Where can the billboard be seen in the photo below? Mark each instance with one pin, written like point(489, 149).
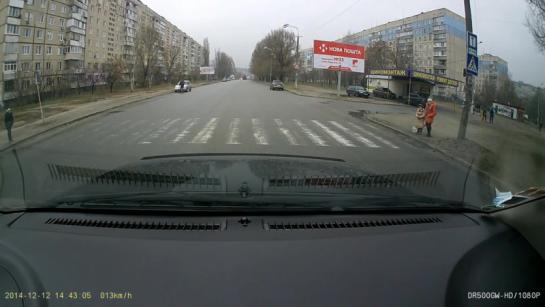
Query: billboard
point(338, 56)
point(207, 70)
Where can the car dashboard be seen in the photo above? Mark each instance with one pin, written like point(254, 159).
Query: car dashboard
point(405, 259)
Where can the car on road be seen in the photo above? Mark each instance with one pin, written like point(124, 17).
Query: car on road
point(356, 90)
point(384, 92)
point(183, 86)
point(277, 85)
point(414, 99)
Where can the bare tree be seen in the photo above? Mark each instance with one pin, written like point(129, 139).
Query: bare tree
point(536, 22)
point(224, 64)
point(280, 44)
point(114, 69)
point(379, 56)
point(174, 53)
point(148, 47)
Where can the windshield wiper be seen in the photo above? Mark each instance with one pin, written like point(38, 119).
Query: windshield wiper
point(223, 201)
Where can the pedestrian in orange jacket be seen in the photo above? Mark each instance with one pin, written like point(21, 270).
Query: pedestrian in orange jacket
point(431, 112)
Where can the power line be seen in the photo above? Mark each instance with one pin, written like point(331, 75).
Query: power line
point(336, 16)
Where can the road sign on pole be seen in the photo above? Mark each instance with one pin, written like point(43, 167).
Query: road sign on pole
point(472, 64)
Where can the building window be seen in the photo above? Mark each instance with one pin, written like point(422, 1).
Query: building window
point(49, 50)
point(42, 18)
point(48, 66)
point(61, 37)
point(29, 2)
point(11, 48)
point(27, 32)
point(60, 65)
point(53, 6)
point(12, 29)
point(61, 22)
point(43, 3)
point(14, 12)
point(9, 86)
point(49, 35)
point(10, 66)
point(38, 66)
point(39, 34)
point(38, 50)
point(27, 49)
point(25, 66)
point(25, 84)
point(51, 20)
point(59, 51)
point(63, 9)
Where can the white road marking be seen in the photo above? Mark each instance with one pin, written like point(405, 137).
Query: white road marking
point(371, 126)
point(386, 142)
point(206, 133)
point(234, 131)
point(355, 135)
point(316, 139)
point(159, 131)
point(286, 132)
point(339, 138)
point(259, 132)
point(187, 125)
point(135, 134)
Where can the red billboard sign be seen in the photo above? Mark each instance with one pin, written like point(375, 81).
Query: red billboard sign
point(338, 56)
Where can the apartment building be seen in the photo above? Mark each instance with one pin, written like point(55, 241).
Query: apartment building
point(432, 42)
point(66, 42)
point(491, 68)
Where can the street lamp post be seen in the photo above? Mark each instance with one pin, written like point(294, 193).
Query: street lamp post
point(296, 52)
point(270, 67)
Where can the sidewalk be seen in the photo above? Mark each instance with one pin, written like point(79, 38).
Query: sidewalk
point(329, 93)
point(28, 123)
point(510, 151)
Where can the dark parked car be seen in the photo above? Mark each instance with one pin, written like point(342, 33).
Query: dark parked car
point(415, 99)
point(384, 92)
point(277, 85)
point(356, 90)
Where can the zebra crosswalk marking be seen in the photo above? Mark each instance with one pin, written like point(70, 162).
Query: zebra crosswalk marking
point(234, 130)
point(259, 132)
point(384, 141)
point(355, 135)
point(187, 125)
point(316, 139)
point(206, 133)
point(286, 132)
point(337, 137)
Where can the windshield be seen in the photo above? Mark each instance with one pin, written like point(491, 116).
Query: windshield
point(276, 115)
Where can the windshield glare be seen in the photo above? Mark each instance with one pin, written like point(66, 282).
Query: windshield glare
point(356, 105)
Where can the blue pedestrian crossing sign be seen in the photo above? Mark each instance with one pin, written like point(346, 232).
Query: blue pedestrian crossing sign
point(472, 65)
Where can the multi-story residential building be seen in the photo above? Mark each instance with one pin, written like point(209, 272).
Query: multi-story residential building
point(66, 42)
point(431, 42)
point(491, 68)
point(41, 39)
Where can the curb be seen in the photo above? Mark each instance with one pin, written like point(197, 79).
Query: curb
point(443, 152)
point(78, 118)
point(341, 99)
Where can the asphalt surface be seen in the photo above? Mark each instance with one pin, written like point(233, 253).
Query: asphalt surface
point(232, 117)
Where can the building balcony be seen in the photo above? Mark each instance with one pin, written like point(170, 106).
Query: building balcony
point(73, 57)
point(78, 16)
point(77, 43)
point(76, 30)
point(13, 21)
point(10, 75)
point(128, 43)
point(17, 3)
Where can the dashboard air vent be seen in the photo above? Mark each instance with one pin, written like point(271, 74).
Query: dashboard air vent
point(213, 226)
point(331, 224)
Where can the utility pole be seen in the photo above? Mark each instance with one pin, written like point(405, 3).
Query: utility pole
point(339, 81)
point(296, 51)
point(462, 129)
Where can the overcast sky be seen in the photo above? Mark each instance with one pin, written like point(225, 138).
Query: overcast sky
point(236, 26)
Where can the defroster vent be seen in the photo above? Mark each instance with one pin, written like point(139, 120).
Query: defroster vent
point(147, 225)
point(332, 224)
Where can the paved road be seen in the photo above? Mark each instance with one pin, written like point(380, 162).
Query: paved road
point(235, 117)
